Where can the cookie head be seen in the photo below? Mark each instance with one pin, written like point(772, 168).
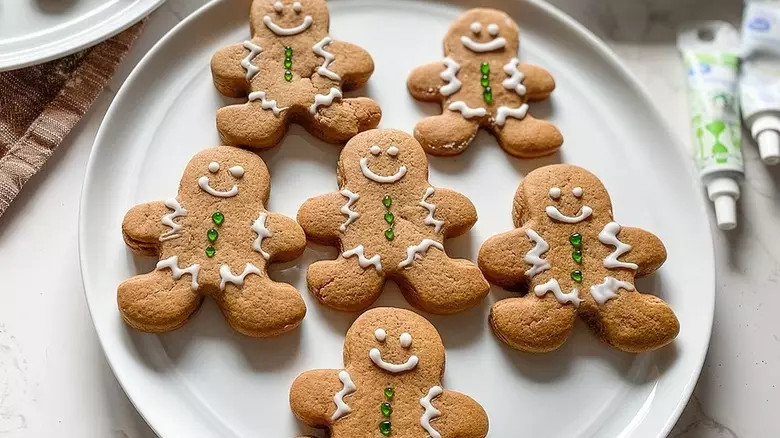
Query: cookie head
point(226, 173)
point(286, 18)
point(394, 341)
point(564, 194)
point(482, 31)
point(383, 157)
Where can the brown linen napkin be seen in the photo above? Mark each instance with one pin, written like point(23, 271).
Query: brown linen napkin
point(39, 105)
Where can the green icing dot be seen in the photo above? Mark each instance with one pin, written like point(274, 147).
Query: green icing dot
point(485, 81)
point(287, 63)
point(387, 201)
point(488, 95)
point(212, 235)
point(389, 218)
point(288, 76)
point(576, 276)
point(218, 218)
point(288, 52)
point(389, 392)
point(576, 240)
point(386, 409)
point(576, 255)
point(389, 234)
point(210, 251)
point(484, 68)
point(384, 427)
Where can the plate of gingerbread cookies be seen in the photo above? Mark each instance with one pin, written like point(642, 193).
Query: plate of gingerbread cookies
point(398, 218)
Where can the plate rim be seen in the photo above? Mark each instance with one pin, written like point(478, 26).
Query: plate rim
point(707, 253)
point(93, 35)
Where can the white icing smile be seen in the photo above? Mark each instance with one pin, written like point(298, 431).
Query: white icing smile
point(474, 46)
point(203, 182)
point(287, 31)
point(409, 365)
point(379, 178)
point(555, 214)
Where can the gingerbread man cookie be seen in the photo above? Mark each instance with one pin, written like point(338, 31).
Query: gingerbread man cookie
point(574, 259)
point(390, 223)
point(292, 71)
point(390, 384)
point(216, 238)
point(481, 83)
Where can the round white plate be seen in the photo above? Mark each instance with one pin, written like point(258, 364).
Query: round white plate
point(204, 380)
point(35, 31)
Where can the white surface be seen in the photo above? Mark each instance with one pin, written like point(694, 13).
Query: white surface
point(55, 380)
point(227, 385)
point(34, 31)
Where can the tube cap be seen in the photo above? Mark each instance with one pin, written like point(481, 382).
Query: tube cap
point(766, 131)
point(726, 211)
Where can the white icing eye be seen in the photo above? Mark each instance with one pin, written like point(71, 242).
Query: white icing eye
point(376, 150)
point(236, 171)
point(476, 27)
point(213, 167)
point(493, 29)
point(555, 192)
point(380, 335)
point(577, 192)
point(392, 151)
point(406, 340)
point(278, 7)
point(297, 7)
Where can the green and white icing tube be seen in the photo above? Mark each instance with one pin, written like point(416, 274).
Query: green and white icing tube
point(710, 53)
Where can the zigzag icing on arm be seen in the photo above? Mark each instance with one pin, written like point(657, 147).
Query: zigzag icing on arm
point(430, 412)
point(172, 263)
point(319, 50)
point(347, 211)
point(534, 256)
point(450, 75)
point(347, 388)
point(167, 220)
point(262, 232)
point(514, 82)
point(325, 99)
point(608, 236)
point(429, 219)
point(362, 260)
point(265, 103)
point(251, 69)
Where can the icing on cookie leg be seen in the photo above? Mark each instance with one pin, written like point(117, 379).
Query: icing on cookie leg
point(250, 125)
point(156, 302)
point(527, 137)
point(447, 134)
point(344, 284)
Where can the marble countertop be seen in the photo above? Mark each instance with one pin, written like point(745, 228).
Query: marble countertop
point(54, 379)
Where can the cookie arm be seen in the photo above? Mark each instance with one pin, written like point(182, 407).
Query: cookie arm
point(538, 82)
point(647, 250)
point(287, 240)
point(312, 396)
point(461, 416)
point(353, 63)
point(142, 227)
point(228, 74)
point(424, 82)
point(321, 217)
point(455, 210)
point(501, 258)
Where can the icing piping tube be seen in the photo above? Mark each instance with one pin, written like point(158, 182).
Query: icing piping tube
point(710, 52)
point(759, 86)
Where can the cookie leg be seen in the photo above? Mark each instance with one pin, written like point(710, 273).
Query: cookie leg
point(342, 284)
point(532, 324)
point(261, 307)
point(528, 137)
point(155, 302)
point(633, 322)
point(447, 134)
point(344, 119)
point(438, 284)
point(250, 125)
